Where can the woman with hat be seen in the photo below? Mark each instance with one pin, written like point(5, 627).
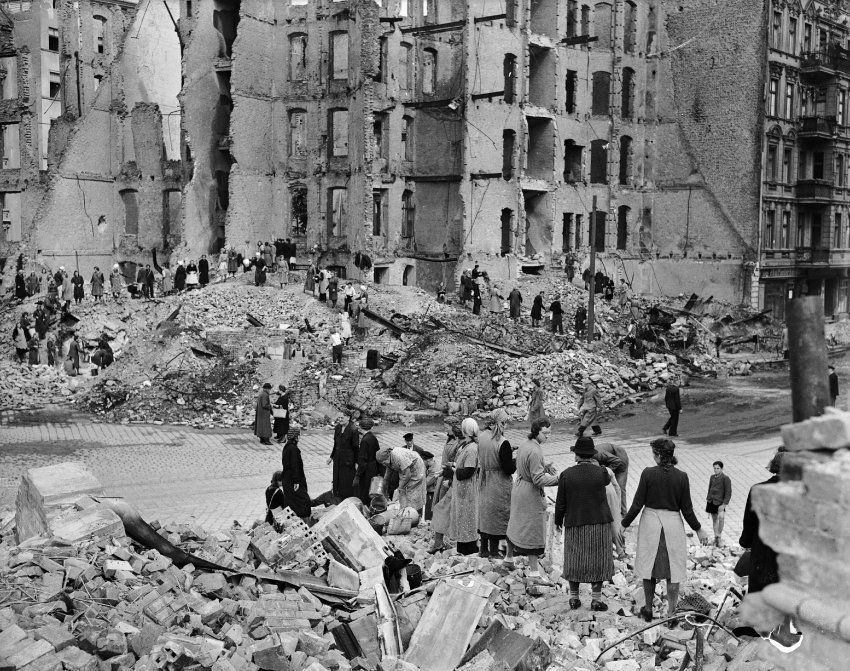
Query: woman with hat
point(495, 480)
point(442, 500)
point(527, 523)
point(463, 513)
point(263, 416)
point(280, 411)
point(294, 487)
point(367, 461)
point(664, 495)
point(582, 510)
point(411, 475)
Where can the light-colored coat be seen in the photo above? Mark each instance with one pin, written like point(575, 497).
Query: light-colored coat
point(67, 289)
point(463, 517)
point(494, 487)
point(527, 525)
point(412, 490)
point(441, 506)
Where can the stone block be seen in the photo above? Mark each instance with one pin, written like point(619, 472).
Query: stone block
point(210, 584)
point(313, 644)
point(94, 522)
point(48, 662)
point(10, 636)
point(57, 635)
point(829, 431)
point(29, 653)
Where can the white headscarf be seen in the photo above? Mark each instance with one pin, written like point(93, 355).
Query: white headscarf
point(469, 427)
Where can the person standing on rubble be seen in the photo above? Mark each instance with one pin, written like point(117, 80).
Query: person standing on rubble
point(150, 281)
point(527, 524)
point(263, 416)
point(344, 458)
point(589, 411)
point(718, 497)
point(232, 262)
point(367, 462)
point(41, 320)
point(20, 286)
point(204, 271)
point(275, 499)
point(310, 279)
point(20, 337)
point(515, 303)
point(580, 321)
point(97, 282)
point(259, 270)
point(582, 511)
point(333, 288)
point(495, 480)
point(167, 281)
point(191, 275)
point(537, 310)
point(833, 386)
point(557, 315)
point(476, 296)
point(463, 513)
point(497, 301)
point(78, 282)
point(535, 405)
point(673, 401)
point(664, 496)
point(74, 355)
point(295, 494)
point(180, 276)
point(410, 468)
point(116, 282)
point(441, 503)
point(336, 347)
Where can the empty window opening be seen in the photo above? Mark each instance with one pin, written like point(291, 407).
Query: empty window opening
point(544, 17)
point(785, 233)
point(628, 94)
point(429, 71)
point(338, 132)
point(817, 165)
point(171, 201)
point(99, 25)
point(599, 162)
point(408, 278)
point(571, 88)
point(510, 12)
point(509, 73)
point(567, 232)
point(131, 211)
point(405, 67)
point(836, 234)
point(600, 230)
point(572, 17)
point(508, 144)
point(226, 21)
point(623, 226)
point(601, 93)
point(53, 39)
point(541, 77)
point(769, 229)
point(298, 210)
point(538, 221)
point(602, 25)
point(407, 137)
point(381, 275)
point(11, 145)
point(572, 161)
point(585, 20)
point(540, 155)
point(507, 231)
point(578, 231)
point(408, 216)
point(625, 160)
point(629, 27)
point(297, 57)
point(379, 136)
point(379, 214)
point(55, 84)
point(339, 55)
point(383, 55)
point(9, 77)
point(337, 211)
point(297, 133)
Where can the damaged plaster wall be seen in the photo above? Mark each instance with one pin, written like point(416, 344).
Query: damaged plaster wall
point(110, 197)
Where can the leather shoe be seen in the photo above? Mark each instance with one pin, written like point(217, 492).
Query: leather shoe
point(598, 605)
point(575, 604)
point(646, 614)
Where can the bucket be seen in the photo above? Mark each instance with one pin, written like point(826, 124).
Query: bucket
point(414, 576)
point(376, 486)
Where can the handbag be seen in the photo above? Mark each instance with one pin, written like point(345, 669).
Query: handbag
point(742, 568)
point(280, 413)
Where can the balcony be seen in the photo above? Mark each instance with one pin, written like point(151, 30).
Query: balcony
point(825, 63)
point(822, 127)
point(815, 190)
point(821, 256)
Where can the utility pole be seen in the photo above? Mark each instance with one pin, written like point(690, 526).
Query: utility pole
point(592, 284)
point(807, 354)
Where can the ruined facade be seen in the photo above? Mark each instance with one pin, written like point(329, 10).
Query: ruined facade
point(805, 227)
point(431, 135)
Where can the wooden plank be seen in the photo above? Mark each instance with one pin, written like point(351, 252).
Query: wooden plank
point(450, 618)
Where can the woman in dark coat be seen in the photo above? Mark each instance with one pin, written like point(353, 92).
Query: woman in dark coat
point(78, 281)
point(180, 277)
point(344, 458)
point(295, 493)
point(281, 410)
point(367, 461)
point(32, 345)
point(263, 416)
point(476, 298)
point(537, 310)
point(274, 498)
point(581, 508)
point(20, 286)
point(763, 568)
point(233, 262)
point(203, 271)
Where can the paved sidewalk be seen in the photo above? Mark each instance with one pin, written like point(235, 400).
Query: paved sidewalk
point(218, 476)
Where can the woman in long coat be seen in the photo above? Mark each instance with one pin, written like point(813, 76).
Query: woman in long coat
point(281, 419)
point(97, 282)
point(20, 285)
point(204, 271)
point(412, 490)
point(167, 281)
point(78, 282)
point(116, 282)
point(495, 480)
point(68, 289)
point(367, 461)
point(295, 493)
point(763, 566)
point(463, 515)
point(497, 301)
point(180, 276)
point(476, 297)
point(232, 262)
point(323, 285)
point(664, 495)
point(310, 279)
point(527, 524)
point(344, 457)
point(515, 302)
point(442, 501)
point(263, 416)
point(535, 405)
point(582, 510)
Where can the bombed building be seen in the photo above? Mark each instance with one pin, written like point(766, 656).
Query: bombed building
point(430, 134)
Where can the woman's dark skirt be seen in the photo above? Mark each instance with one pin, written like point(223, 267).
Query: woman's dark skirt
point(587, 553)
point(661, 567)
point(280, 427)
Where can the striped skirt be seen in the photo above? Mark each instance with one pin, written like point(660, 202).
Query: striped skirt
point(588, 555)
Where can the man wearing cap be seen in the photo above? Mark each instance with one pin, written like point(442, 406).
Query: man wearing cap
point(344, 457)
point(263, 416)
point(367, 462)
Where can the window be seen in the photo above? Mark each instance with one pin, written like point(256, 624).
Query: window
point(807, 37)
point(338, 132)
point(337, 197)
point(786, 165)
point(839, 169)
point(379, 136)
point(777, 30)
point(602, 13)
point(792, 35)
point(789, 101)
point(769, 222)
point(507, 221)
point(823, 38)
point(572, 162)
point(509, 74)
point(382, 60)
point(379, 215)
point(508, 144)
point(407, 137)
point(297, 57)
point(567, 231)
point(585, 20)
point(842, 98)
point(99, 33)
point(773, 101)
point(785, 233)
point(601, 93)
point(571, 86)
point(298, 210)
point(405, 67)
point(55, 84)
point(429, 71)
point(629, 27)
point(53, 39)
point(836, 233)
point(599, 162)
point(572, 17)
point(628, 93)
point(577, 231)
point(131, 211)
point(771, 162)
point(600, 231)
point(817, 165)
point(408, 214)
point(803, 165)
point(297, 133)
point(625, 159)
point(804, 101)
point(339, 55)
point(623, 226)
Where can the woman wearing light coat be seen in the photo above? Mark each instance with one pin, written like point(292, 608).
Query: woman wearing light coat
point(441, 503)
point(495, 481)
point(463, 516)
point(412, 490)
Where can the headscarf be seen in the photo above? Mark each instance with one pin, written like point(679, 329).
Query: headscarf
point(775, 465)
point(498, 418)
point(469, 427)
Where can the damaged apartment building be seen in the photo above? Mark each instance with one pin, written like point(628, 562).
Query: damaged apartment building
point(430, 135)
point(90, 107)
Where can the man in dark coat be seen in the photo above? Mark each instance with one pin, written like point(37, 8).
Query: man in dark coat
point(142, 282)
point(263, 416)
point(150, 279)
point(537, 310)
point(42, 321)
point(367, 462)
point(344, 458)
point(203, 271)
point(581, 320)
point(673, 401)
point(295, 494)
point(515, 302)
point(763, 567)
point(20, 286)
point(557, 316)
point(180, 277)
point(833, 386)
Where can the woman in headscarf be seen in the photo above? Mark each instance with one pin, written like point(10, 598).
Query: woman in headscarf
point(411, 476)
point(232, 262)
point(274, 497)
point(463, 514)
point(203, 271)
point(582, 510)
point(537, 309)
point(495, 480)
point(116, 282)
point(497, 301)
point(442, 501)
point(535, 405)
point(280, 412)
point(763, 567)
point(295, 493)
point(262, 415)
point(527, 524)
point(191, 275)
point(664, 495)
point(68, 289)
point(20, 285)
point(323, 285)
